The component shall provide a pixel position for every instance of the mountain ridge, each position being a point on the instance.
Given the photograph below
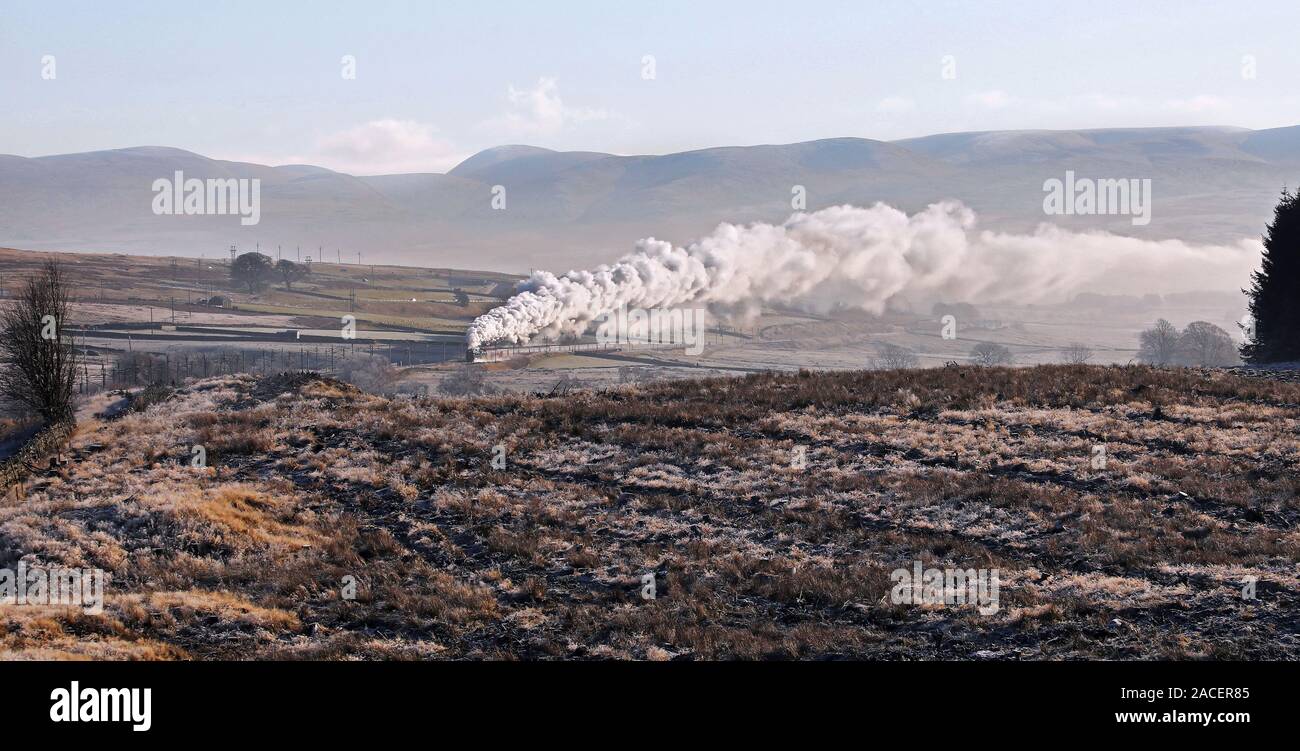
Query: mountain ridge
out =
(576, 208)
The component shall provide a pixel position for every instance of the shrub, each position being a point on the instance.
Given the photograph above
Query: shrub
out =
(371, 373)
(894, 357)
(467, 380)
(1076, 354)
(988, 353)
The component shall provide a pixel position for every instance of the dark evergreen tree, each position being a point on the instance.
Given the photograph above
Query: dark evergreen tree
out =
(1274, 334)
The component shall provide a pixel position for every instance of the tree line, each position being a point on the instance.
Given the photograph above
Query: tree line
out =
(256, 271)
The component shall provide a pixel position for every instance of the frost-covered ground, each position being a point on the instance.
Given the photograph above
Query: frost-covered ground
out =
(770, 512)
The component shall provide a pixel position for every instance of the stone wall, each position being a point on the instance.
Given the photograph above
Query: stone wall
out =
(34, 453)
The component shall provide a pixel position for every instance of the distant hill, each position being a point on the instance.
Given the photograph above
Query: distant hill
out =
(566, 209)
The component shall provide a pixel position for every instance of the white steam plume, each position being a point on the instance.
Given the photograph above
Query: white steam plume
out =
(845, 256)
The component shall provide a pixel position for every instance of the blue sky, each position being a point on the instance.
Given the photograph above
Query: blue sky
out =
(437, 81)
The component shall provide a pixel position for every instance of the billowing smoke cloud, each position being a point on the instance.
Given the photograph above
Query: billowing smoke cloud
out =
(846, 256)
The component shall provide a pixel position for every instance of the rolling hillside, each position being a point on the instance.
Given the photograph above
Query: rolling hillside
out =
(568, 209)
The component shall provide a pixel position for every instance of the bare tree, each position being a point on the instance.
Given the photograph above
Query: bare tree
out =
(1076, 353)
(40, 363)
(1158, 345)
(895, 357)
(988, 353)
(1204, 344)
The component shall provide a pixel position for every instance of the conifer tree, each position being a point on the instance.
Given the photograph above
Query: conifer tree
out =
(1274, 333)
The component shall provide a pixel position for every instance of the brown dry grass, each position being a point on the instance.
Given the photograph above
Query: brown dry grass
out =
(312, 481)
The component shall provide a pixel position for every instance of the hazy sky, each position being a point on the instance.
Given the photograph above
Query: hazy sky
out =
(436, 81)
